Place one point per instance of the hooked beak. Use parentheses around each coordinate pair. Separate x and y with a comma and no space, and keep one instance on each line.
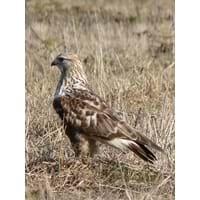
(54,63)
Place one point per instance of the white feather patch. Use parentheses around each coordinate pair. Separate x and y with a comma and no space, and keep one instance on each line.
(120,143)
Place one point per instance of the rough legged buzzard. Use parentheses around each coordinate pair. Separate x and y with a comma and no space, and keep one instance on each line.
(88,118)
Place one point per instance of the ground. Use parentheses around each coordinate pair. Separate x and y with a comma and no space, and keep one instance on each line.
(128,53)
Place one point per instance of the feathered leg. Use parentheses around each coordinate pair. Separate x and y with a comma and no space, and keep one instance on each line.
(87,148)
(84,148)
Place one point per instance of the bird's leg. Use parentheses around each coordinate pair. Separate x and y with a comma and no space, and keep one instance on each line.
(76,148)
(75,142)
(87,148)
(84,148)
(93,148)
(80,144)
(74,138)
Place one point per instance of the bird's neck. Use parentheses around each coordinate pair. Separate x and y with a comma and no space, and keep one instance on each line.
(60,85)
(70,80)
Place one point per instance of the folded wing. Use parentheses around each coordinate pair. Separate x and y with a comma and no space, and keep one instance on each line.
(85,110)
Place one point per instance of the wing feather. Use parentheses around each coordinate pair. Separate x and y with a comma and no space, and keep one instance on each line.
(85,110)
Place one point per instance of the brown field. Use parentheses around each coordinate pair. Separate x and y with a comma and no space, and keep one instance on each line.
(128,53)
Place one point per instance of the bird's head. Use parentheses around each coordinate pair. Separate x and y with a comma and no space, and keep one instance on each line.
(62,62)
(70,65)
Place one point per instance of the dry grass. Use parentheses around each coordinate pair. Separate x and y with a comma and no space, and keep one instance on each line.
(127,50)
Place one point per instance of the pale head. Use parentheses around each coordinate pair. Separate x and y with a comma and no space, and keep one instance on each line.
(62,62)
(70,65)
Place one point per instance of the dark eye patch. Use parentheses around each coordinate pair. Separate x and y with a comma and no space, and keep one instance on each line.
(61,59)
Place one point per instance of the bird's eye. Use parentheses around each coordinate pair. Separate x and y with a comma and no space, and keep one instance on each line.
(61,59)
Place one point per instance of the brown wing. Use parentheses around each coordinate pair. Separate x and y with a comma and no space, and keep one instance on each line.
(84,109)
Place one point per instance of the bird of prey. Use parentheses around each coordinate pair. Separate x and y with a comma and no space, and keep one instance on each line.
(88,118)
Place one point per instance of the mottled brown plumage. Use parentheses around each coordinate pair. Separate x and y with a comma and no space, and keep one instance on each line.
(88,118)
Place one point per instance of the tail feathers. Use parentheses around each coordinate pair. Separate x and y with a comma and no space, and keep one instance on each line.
(142,151)
(150,143)
(135,146)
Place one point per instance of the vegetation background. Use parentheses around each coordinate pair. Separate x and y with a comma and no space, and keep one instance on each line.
(127,49)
